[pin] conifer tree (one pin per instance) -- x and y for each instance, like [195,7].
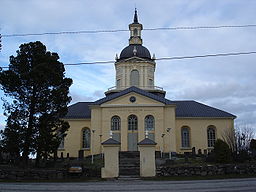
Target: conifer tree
[38,88]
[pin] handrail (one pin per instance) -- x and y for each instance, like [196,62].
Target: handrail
[141,87]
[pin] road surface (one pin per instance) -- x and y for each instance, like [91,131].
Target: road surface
[248,184]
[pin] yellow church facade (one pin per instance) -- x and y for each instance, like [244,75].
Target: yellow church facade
[135,108]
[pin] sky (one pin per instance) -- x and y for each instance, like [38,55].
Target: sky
[227,83]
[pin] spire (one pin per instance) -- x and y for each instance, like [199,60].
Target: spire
[135,19]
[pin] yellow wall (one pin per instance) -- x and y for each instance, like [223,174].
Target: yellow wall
[164,117]
[165,120]
[198,131]
[73,140]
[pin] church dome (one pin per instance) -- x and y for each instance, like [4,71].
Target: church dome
[135,50]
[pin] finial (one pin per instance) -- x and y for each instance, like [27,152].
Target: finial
[116,56]
[154,56]
[111,134]
[146,134]
[135,19]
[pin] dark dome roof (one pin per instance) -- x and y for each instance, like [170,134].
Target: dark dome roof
[142,52]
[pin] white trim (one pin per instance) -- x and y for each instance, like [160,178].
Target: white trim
[132,105]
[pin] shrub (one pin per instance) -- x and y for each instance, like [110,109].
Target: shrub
[222,152]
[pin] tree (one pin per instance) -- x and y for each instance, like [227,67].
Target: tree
[253,147]
[222,152]
[36,83]
[239,141]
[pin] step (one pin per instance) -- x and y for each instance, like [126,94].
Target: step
[129,178]
[129,172]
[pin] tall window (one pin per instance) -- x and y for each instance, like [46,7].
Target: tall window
[115,123]
[61,146]
[132,122]
[185,137]
[135,32]
[149,123]
[86,142]
[134,78]
[211,136]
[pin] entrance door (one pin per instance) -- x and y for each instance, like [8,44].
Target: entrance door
[132,133]
[132,141]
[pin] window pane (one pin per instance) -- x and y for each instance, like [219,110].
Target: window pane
[149,123]
[132,122]
[86,138]
[211,136]
[115,123]
[185,137]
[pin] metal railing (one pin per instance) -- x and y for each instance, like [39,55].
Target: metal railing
[141,87]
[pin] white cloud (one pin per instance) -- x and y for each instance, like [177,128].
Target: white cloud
[226,82]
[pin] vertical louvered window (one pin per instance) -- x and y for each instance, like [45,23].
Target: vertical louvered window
[134,78]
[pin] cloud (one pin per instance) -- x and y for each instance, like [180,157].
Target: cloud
[224,82]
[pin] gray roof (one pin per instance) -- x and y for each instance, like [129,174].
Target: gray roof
[79,110]
[111,141]
[135,90]
[147,141]
[184,109]
[196,109]
[142,52]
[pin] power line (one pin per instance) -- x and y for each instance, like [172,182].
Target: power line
[124,30]
[167,58]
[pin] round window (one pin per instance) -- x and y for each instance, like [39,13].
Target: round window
[132,99]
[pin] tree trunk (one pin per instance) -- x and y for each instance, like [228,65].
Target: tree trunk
[28,136]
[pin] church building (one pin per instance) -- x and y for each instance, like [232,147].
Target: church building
[136,108]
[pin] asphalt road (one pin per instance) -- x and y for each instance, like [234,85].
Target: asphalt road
[136,185]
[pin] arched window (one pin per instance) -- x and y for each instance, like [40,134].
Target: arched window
[115,123]
[61,146]
[185,137]
[211,136]
[132,122]
[149,123]
[86,140]
[135,32]
[134,78]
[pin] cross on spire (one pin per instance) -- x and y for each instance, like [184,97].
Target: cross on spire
[135,19]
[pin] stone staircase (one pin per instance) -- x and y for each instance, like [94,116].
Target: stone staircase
[129,164]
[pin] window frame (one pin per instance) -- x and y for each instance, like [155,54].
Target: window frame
[86,144]
[115,123]
[185,138]
[132,123]
[135,78]
[211,136]
[149,123]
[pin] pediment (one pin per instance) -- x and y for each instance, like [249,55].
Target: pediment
[128,99]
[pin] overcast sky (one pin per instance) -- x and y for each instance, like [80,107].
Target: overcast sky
[227,83]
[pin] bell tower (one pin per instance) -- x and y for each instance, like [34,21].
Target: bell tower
[135,31]
[135,66]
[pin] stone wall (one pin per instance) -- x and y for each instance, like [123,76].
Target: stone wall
[42,175]
[207,170]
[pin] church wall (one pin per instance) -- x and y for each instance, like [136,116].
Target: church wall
[73,140]
[169,129]
[198,131]
[122,107]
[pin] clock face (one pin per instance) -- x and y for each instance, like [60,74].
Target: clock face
[132,99]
